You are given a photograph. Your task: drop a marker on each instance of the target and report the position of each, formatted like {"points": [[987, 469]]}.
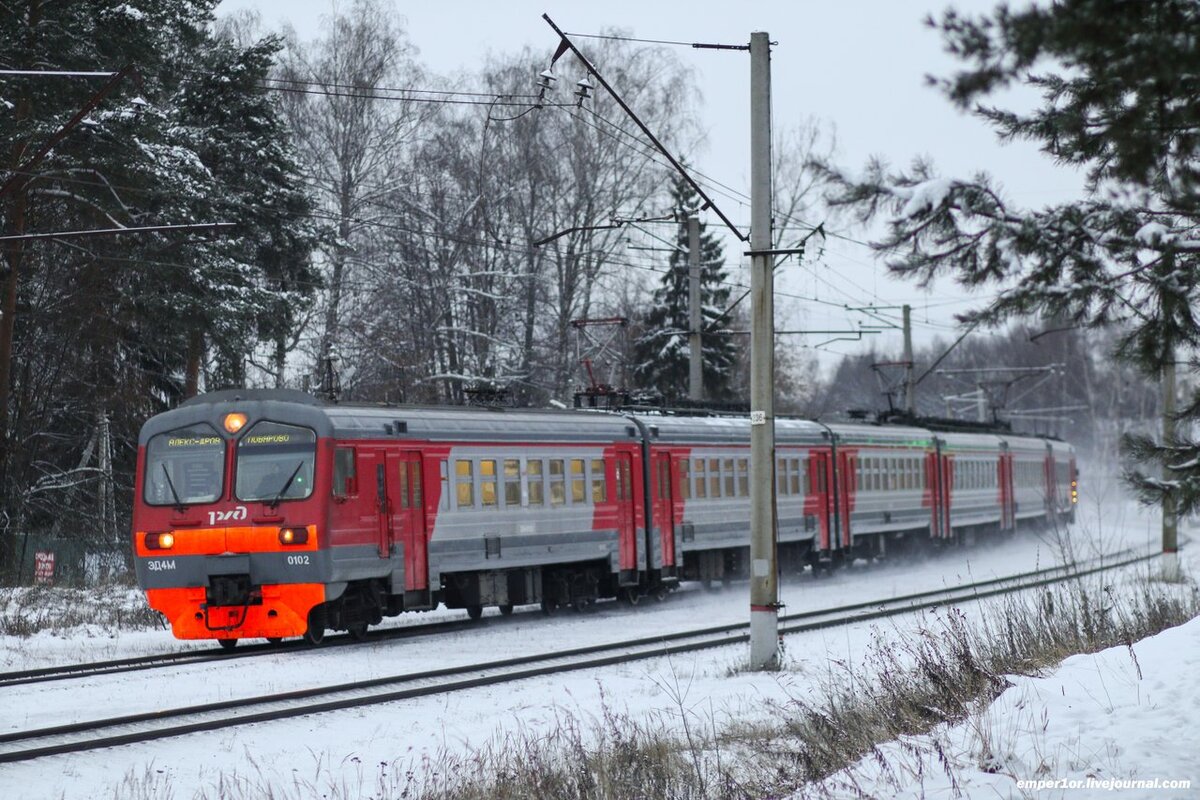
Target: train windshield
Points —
{"points": [[184, 467], [275, 462]]}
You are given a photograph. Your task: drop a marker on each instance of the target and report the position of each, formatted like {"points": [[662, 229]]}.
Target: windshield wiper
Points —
{"points": [[179, 506], [287, 485]]}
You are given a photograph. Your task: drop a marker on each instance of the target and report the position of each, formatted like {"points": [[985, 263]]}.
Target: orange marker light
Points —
{"points": [[293, 535], [160, 541], [235, 422]]}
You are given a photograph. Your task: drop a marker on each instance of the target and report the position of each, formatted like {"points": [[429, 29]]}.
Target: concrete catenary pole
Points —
{"points": [[1170, 523], [695, 353], [764, 587], [910, 399]]}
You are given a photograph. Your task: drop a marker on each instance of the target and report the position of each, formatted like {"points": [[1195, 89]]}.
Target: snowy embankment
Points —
{"points": [[1122, 721], [376, 750]]}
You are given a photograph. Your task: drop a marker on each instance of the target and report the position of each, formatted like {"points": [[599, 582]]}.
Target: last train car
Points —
{"points": [[265, 513]]}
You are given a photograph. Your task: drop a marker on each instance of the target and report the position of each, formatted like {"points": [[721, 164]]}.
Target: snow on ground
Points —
{"points": [[351, 747], [1119, 722]]}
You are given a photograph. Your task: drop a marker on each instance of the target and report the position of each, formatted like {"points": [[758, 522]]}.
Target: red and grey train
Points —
{"points": [[267, 513]]}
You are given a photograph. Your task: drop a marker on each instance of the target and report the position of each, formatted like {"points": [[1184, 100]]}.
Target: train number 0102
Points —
{"points": [[294, 560]]}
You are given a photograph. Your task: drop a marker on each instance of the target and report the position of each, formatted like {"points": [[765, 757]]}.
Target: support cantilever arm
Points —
{"points": [[567, 44]]}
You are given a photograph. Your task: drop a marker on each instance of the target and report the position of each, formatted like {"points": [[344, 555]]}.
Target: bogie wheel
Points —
{"points": [[358, 631], [315, 635], [474, 612], [274, 639], [549, 606], [228, 644], [632, 595], [506, 610]]}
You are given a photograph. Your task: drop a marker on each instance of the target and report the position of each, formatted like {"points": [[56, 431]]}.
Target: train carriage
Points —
{"points": [[703, 464], [971, 466], [886, 492], [266, 513]]}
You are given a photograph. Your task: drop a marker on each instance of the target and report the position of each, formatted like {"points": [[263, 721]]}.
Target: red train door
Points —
{"points": [[383, 500], [938, 474], [410, 519], [821, 486], [845, 495], [665, 505], [946, 464], [1005, 477], [626, 512]]}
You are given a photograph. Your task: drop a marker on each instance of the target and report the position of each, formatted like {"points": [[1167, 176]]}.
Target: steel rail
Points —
{"points": [[451, 679], [198, 656]]}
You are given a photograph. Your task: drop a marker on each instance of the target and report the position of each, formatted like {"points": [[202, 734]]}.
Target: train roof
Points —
{"points": [[668, 428], [465, 423], [470, 424], [881, 435], [348, 421]]}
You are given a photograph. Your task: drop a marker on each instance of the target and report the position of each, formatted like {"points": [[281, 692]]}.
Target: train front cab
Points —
{"points": [[229, 517]]}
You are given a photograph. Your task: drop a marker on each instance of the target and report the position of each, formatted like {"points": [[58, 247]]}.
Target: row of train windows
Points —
{"points": [[1028, 475], [888, 473], [708, 478], [514, 482], [714, 477], [975, 474]]}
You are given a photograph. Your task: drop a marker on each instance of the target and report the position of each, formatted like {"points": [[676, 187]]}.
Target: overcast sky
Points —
{"points": [[857, 65]]}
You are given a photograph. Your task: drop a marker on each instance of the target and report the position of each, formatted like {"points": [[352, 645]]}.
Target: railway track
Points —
{"points": [[215, 654], [100, 733]]}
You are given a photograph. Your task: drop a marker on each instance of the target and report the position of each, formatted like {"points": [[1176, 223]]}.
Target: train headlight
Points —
{"points": [[160, 541], [293, 535], [235, 422]]}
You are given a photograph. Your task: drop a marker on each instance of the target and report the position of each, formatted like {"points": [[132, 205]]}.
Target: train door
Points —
{"points": [[626, 512], [846, 469], [379, 460], [1005, 478], [665, 506], [1048, 479], [820, 486], [937, 479], [410, 520], [946, 487]]}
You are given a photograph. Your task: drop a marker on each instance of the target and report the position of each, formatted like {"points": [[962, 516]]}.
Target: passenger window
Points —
{"points": [[415, 472], [344, 483], [730, 478], [701, 486], [558, 492], [512, 482], [795, 476], [464, 480], [624, 481], [578, 482], [444, 499], [685, 478], [600, 485], [743, 477], [537, 486], [487, 482], [403, 484], [714, 477], [781, 476]]}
